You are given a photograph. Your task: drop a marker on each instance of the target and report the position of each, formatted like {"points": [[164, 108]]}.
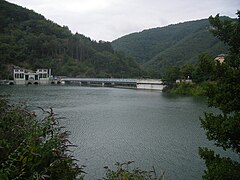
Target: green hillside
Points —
{"points": [[29, 40], [158, 48]]}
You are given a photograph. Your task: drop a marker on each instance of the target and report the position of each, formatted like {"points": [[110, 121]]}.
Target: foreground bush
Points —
{"points": [[32, 148], [224, 127], [124, 172]]}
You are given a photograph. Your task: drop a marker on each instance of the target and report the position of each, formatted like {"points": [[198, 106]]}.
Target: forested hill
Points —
{"points": [[171, 45], [30, 41]]}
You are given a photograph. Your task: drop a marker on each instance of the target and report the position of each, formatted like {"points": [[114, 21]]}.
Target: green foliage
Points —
{"points": [[171, 75], [188, 89], [224, 128], [28, 40], [186, 71], [34, 149], [124, 172], [219, 167], [203, 75], [205, 69], [173, 45]]}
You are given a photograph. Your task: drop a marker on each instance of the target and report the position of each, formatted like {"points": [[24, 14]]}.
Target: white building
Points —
{"points": [[220, 58], [24, 76], [150, 84]]}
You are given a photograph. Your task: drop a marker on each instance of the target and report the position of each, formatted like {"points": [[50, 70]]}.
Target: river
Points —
{"points": [[111, 125]]}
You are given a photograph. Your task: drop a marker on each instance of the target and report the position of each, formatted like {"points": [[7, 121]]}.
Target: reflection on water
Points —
{"points": [[117, 125]]}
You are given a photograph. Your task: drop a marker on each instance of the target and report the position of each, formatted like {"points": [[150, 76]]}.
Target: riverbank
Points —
{"points": [[193, 89]]}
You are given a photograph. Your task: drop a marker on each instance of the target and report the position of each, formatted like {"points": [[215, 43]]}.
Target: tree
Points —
{"points": [[224, 128], [205, 68], [123, 171], [30, 41], [171, 75], [34, 149], [186, 71]]}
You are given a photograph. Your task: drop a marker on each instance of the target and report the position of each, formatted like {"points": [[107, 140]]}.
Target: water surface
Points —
{"points": [[112, 125]]}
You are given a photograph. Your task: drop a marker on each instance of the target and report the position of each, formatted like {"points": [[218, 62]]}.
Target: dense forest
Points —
{"points": [[173, 45], [30, 41]]}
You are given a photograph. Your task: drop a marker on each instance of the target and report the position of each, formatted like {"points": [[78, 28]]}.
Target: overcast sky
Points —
{"points": [[110, 19]]}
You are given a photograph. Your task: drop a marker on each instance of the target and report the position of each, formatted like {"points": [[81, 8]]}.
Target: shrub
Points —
{"points": [[34, 149], [188, 89], [124, 172]]}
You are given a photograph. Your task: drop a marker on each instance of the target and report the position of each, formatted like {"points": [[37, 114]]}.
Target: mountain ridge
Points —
{"points": [[172, 45], [29, 40]]}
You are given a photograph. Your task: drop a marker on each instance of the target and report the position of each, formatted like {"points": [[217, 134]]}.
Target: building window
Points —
{"points": [[40, 75], [17, 76], [44, 75], [21, 76]]}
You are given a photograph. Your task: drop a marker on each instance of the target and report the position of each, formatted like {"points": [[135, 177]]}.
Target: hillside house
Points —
{"points": [[220, 58]]}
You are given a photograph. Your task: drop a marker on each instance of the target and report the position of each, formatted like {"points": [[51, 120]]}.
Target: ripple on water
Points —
{"points": [[115, 125]]}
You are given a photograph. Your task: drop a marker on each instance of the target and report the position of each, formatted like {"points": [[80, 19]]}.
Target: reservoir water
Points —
{"points": [[111, 125]]}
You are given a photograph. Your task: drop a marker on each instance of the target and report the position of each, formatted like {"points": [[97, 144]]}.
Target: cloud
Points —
{"points": [[110, 19]]}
